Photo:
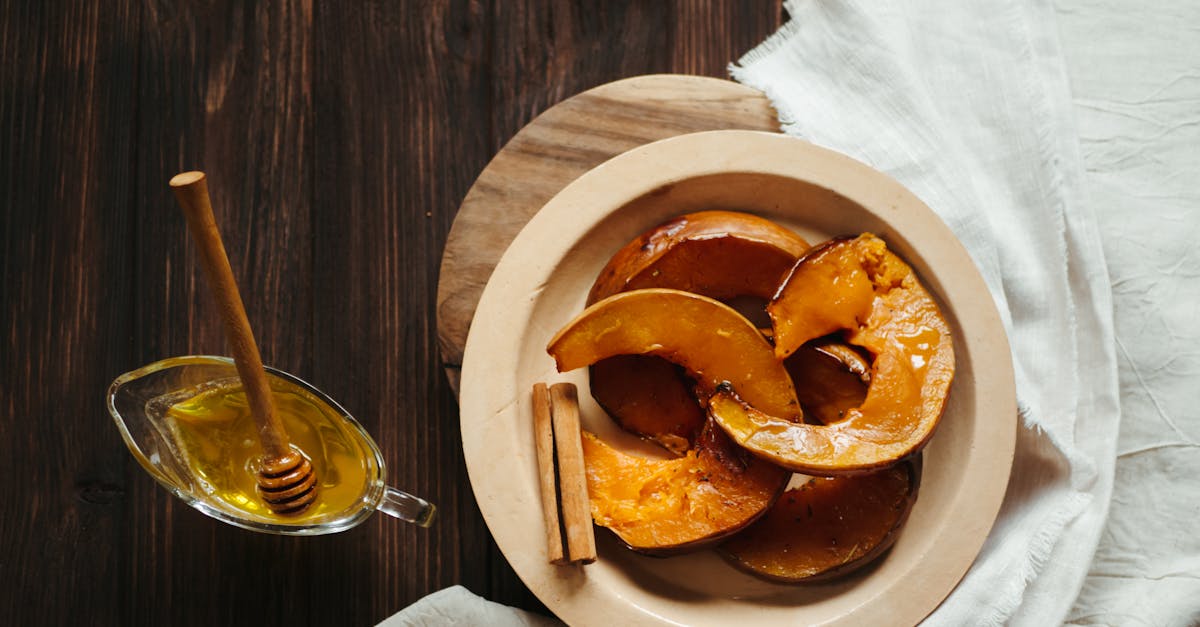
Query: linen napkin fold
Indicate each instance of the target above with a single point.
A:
(967, 104)
(457, 606)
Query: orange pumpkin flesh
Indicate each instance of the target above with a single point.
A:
(715, 489)
(719, 254)
(858, 286)
(828, 290)
(670, 506)
(827, 527)
(714, 343)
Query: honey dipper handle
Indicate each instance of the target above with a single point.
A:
(191, 190)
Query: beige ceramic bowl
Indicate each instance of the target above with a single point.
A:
(542, 282)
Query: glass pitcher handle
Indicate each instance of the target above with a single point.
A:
(407, 507)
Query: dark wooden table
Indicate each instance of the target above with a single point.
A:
(339, 138)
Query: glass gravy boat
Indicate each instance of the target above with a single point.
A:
(139, 402)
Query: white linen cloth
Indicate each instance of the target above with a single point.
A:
(971, 105)
(1134, 69)
(968, 104)
(458, 607)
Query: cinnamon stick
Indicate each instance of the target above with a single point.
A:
(572, 474)
(543, 437)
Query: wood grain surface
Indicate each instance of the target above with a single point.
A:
(339, 140)
(554, 149)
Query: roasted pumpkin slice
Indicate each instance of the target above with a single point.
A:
(719, 254)
(859, 287)
(828, 526)
(670, 506)
(714, 343)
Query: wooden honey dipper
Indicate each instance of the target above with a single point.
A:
(285, 478)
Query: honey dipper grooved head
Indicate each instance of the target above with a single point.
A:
(287, 483)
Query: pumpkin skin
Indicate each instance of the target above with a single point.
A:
(710, 340)
(856, 286)
(719, 254)
(828, 527)
(666, 507)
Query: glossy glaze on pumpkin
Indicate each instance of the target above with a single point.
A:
(719, 254)
(828, 526)
(714, 343)
(670, 506)
(859, 287)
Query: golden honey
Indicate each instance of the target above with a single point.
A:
(217, 441)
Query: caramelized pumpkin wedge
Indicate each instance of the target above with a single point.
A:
(719, 254)
(663, 507)
(714, 343)
(827, 527)
(859, 287)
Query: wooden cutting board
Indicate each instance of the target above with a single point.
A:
(554, 149)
